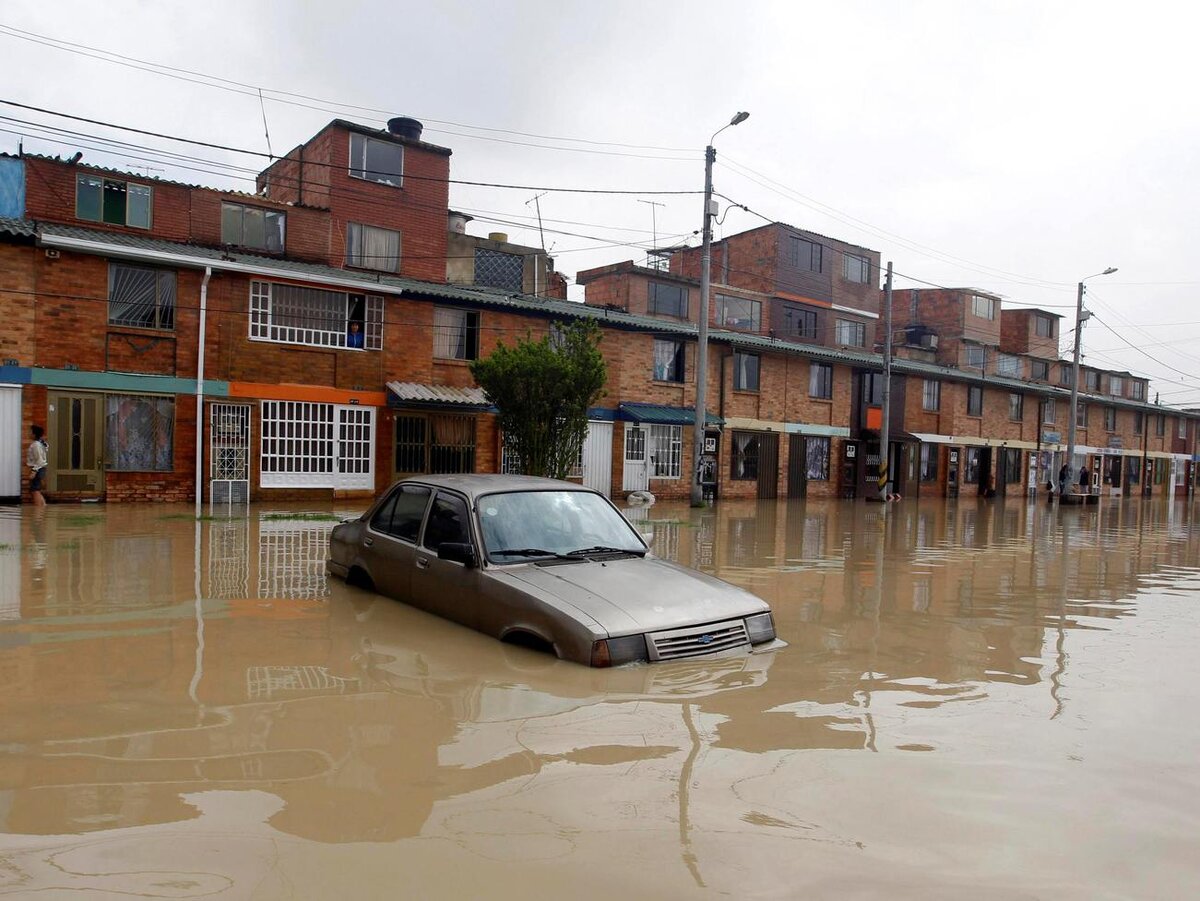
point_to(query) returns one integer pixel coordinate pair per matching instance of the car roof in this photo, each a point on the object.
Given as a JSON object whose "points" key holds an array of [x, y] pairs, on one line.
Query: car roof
{"points": [[475, 485]]}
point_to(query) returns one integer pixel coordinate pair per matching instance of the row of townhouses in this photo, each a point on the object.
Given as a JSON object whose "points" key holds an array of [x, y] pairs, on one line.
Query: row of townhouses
{"points": [[313, 339]]}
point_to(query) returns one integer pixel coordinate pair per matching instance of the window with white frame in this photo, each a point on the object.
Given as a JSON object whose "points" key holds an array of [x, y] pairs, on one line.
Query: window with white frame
{"points": [[375, 160], [848, 332], [1081, 416], [820, 380], [745, 371], [99, 199], [856, 268], [315, 445], [666, 451], [139, 433], [455, 334], [368, 247], [1007, 364], [1048, 410], [141, 296], [976, 356], [253, 227], [983, 307], [738, 312], [293, 314], [1139, 390], [1116, 386], [668, 360], [931, 395]]}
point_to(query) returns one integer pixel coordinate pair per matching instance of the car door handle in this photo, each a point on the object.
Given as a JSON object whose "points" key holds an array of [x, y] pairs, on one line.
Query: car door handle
{"points": [[422, 563], [367, 542]]}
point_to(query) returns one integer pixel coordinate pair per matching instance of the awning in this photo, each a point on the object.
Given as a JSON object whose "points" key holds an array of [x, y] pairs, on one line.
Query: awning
{"points": [[414, 394], [658, 414]]}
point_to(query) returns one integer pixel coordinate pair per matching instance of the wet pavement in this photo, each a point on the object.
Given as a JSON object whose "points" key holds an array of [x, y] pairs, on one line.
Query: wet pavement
{"points": [[977, 699]]}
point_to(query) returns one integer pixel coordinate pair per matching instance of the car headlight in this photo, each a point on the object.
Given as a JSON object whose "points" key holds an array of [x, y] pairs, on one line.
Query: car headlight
{"points": [[616, 651], [760, 628]]}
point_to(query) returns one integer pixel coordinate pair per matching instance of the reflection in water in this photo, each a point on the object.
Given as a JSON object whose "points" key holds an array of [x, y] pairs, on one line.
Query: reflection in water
{"points": [[164, 676]]}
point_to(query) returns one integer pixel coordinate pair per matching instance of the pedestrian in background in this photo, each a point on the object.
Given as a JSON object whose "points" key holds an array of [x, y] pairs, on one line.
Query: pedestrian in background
{"points": [[35, 459], [1084, 480], [1063, 475]]}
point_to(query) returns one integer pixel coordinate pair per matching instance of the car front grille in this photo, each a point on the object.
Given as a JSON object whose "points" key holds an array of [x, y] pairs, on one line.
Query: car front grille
{"points": [[696, 640]]}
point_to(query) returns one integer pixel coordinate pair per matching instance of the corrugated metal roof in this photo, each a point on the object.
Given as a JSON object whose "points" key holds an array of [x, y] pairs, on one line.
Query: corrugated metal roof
{"points": [[414, 392], [660, 414], [17, 228]]}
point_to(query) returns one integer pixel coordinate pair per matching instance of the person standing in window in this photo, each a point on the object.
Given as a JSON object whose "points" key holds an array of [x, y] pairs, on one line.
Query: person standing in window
{"points": [[354, 338], [35, 459]]}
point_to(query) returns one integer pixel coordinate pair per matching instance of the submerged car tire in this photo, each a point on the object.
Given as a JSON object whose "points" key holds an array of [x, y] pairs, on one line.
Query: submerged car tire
{"points": [[359, 579]]}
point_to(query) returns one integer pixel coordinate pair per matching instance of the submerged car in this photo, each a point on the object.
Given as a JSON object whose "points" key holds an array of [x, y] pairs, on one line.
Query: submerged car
{"points": [[543, 563]]}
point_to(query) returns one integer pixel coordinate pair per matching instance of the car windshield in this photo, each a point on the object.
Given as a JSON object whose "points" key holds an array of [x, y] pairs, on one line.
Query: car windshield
{"points": [[545, 523]]}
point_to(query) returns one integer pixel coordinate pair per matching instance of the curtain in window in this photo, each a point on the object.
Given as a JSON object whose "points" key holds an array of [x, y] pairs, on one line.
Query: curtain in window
{"points": [[745, 455], [131, 296], [818, 459], [449, 334], [139, 433], [380, 249], [664, 360]]}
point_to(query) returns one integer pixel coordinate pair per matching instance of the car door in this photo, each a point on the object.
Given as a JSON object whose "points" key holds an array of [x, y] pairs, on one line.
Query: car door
{"points": [[390, 547], [446, 587]]}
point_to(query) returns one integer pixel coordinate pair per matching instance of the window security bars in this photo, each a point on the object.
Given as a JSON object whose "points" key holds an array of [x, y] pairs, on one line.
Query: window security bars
{"points": [[496, 269], [291, 314]]}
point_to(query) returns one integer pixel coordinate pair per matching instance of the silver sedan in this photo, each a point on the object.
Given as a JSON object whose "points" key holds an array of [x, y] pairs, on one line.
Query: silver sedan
{"points": [[546, 564]]}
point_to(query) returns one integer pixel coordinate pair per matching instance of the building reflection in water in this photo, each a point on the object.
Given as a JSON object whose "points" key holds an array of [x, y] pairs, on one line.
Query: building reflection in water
{"points": [[366, 718]]}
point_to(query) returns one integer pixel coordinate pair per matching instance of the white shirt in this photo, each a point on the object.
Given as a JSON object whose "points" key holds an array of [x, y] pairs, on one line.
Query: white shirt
{"points": [[35, 457]]}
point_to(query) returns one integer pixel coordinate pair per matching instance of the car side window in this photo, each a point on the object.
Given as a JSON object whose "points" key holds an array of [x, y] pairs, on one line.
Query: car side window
{"points": [[411, 501], [447, 522], [382, 520]]}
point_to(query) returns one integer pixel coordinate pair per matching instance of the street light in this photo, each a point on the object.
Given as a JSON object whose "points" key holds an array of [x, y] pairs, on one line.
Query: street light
{"points": [[1080, 319], [702, 331]]}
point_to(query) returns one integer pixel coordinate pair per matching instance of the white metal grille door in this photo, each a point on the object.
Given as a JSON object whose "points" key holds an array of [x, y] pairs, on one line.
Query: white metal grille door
{"points": [[636, 474], [356, 441], [12, 450], [313, 445], [597, 457], [229, 453]]}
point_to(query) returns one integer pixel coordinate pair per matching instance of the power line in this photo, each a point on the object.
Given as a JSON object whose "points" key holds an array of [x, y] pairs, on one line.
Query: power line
{"points": [[236, 87], [259, 153]]}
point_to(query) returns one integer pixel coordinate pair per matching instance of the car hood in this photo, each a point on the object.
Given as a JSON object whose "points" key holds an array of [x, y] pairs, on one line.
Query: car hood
{"points": [[632, 595]]}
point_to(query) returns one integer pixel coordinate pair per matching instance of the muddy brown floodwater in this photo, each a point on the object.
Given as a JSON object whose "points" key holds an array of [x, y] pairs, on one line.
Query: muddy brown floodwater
{"points": [[978, 699]]}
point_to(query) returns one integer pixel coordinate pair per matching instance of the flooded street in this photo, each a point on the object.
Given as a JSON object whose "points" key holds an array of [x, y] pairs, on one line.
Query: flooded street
{"points": [[977, 699]]}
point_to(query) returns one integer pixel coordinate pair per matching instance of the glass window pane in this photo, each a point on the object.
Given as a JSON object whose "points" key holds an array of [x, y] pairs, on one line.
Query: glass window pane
{"points": [[231, 223], [383, 162], [89, 192], [131, 296], [253, 224], [139, 206], [275, 225]]}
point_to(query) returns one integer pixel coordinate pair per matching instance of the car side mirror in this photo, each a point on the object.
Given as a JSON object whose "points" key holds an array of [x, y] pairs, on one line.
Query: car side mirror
{"points": [[458, 552]]}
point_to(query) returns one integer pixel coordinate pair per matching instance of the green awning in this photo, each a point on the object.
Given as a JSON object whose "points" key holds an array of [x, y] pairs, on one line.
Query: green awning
{"points": [[659, 414]]}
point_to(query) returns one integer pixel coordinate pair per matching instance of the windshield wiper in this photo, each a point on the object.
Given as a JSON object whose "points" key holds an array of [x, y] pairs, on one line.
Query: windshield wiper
{"points": [[605, 549], [531, 552]]}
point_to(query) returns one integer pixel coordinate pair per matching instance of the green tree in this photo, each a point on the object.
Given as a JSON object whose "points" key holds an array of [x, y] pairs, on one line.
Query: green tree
{"points": [[543, 389]]}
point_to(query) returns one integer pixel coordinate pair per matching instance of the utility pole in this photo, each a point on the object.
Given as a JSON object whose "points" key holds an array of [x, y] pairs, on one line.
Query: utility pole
{"points": [[1080, 318], [884, 437], [710, 154]]}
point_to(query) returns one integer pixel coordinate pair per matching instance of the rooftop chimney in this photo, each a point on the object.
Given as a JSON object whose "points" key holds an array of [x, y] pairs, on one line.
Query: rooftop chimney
{"points": [[406, 127]]}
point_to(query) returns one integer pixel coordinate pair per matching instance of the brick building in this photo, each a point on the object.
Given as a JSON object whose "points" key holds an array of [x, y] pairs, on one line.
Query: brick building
{"points": [[314, 340]]}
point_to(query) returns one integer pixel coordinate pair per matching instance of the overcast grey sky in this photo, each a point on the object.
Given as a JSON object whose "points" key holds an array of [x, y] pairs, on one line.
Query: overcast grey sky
{"points": [[1014, 147]]}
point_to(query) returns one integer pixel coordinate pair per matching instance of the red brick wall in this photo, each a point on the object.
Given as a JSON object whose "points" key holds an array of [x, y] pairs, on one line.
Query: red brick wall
{"points": [[18, 304]]}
